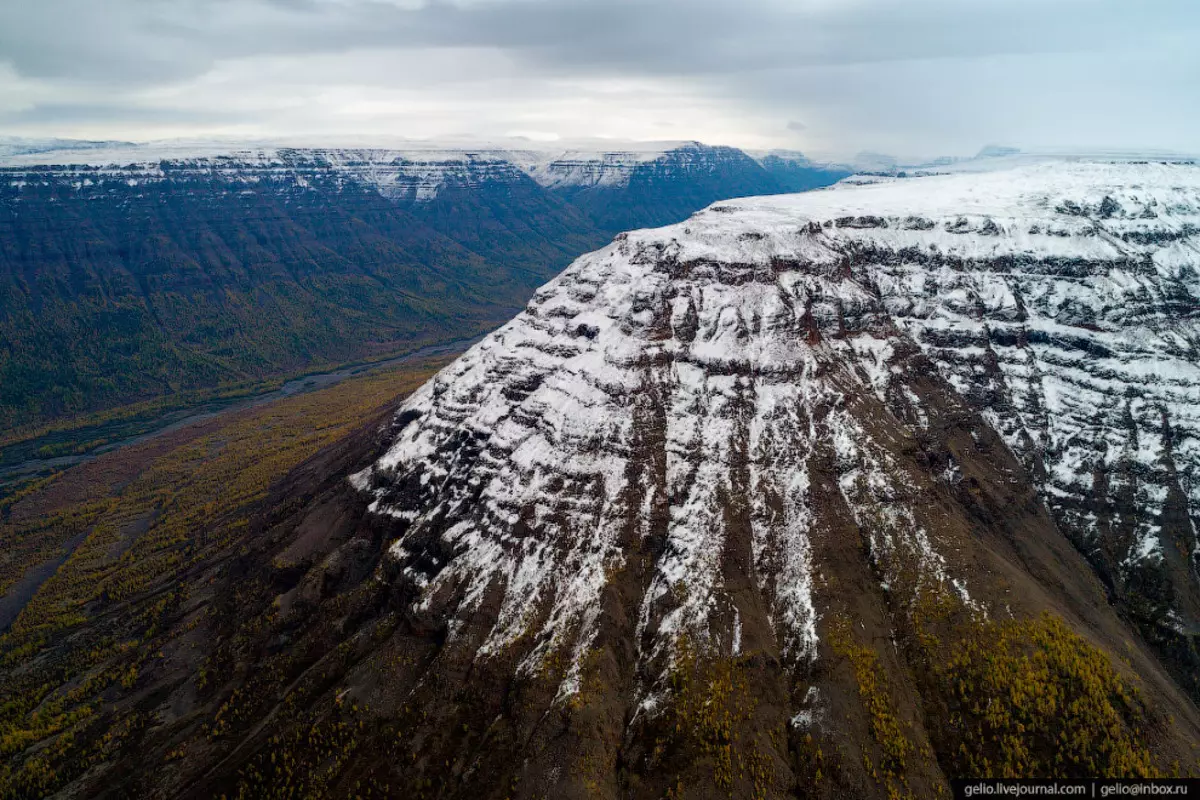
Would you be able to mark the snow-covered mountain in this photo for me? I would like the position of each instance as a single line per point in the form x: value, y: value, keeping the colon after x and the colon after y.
x: 402, y: 175
x: 416, y: 171
x: 731, y: 434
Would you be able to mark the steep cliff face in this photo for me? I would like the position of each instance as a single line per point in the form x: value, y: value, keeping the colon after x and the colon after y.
x: 659, y: 190
x: 731, y: 435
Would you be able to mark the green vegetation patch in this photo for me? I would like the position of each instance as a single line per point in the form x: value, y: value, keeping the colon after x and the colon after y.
x: 1033, y: 699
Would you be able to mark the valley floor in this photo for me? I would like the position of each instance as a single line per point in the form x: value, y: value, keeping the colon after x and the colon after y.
x: 29, y: 459
x: 98, y: 557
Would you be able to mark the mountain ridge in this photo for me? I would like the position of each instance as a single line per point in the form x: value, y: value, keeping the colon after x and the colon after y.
x: 417, y: 173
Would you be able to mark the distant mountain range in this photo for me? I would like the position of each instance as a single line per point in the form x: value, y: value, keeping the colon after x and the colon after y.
x: 131, y: 271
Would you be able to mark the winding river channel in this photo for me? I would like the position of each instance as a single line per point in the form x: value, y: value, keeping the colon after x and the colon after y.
x: 180, y: 418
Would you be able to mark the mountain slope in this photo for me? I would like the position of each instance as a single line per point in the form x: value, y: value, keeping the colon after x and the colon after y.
x: 503, y: 215
x: 723, y: 437
x: 669, y: 187
x: 795, y: 173
x: 1076, y: 331
x: 112, y: 292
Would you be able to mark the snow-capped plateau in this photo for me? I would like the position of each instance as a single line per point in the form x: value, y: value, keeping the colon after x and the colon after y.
x: 416, y: 171
x: 408, y: 174
x: 727, y: 405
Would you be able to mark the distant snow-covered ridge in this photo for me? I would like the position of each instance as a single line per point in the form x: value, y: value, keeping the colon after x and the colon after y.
x: 419, y: 171
x: 412, y: 172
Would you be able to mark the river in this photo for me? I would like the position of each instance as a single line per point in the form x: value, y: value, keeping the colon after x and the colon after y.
x: 180, y: 418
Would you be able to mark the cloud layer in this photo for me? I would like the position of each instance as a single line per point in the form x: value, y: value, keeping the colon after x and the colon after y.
x: 915, y: 77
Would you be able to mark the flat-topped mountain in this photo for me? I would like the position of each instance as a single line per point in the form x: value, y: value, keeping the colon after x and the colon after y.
x: 420, y: 171
x: 733, y: 438
x: 214, y: 262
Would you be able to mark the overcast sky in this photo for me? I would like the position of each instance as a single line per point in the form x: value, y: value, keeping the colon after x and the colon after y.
x: 910, y: 77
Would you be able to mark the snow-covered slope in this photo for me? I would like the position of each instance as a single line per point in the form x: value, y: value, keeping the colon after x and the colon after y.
x: 1062, y: 300
x: 720, y: 402
x: 415, y: 171
x: 417, y: 175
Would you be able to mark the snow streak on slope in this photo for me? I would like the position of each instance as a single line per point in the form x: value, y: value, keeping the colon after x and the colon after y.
x: 1062, y: 300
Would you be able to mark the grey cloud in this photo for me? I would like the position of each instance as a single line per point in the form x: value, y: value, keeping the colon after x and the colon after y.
x: 919, y: 71
x: 136, y: 40
x: 76, y: 113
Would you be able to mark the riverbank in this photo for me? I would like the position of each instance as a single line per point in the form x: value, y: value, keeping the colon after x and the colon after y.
x: 21, y: 465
